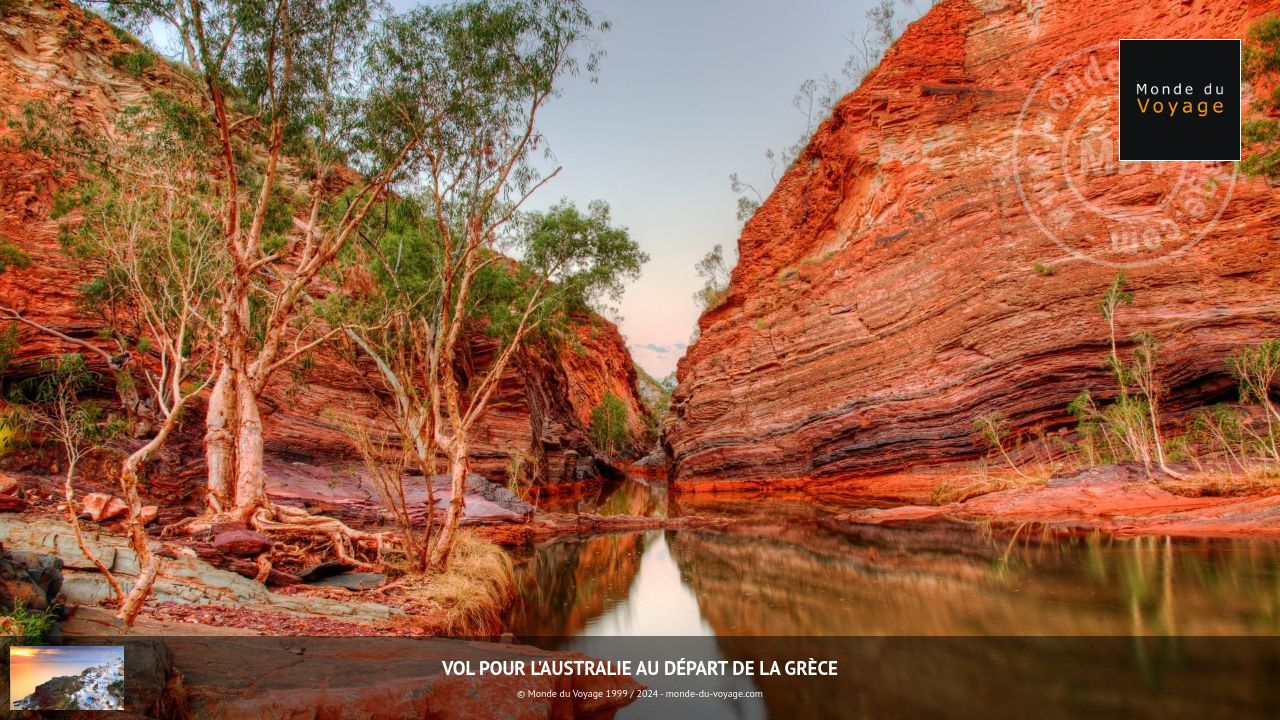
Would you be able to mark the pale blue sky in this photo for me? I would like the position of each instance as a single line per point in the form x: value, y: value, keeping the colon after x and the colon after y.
x: 688, y: 93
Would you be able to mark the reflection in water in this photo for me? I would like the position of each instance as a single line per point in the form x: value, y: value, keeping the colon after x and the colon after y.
x: 630, y: 496
x: 793, y: 577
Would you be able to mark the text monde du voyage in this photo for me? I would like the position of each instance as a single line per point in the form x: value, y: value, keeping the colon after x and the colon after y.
x: 1180, y: 99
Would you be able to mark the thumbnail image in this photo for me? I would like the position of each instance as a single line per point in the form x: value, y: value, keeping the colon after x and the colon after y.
x: 66, y: 678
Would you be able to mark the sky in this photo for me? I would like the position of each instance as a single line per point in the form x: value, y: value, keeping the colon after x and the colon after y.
x: 689, y: 91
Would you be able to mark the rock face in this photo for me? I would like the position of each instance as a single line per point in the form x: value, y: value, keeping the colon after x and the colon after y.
x: 30, y: 580
x: 53, y: 52
x: 924, y: 262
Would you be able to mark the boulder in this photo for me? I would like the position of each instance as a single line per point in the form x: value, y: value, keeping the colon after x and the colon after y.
x: 101, y: 507
x: 31, y: 580
x: 499, y: 495
x: 242, y: 543
x: 316, y: 573
x: 148, y: 514
x: 8, y: 485
x: 11, y: 503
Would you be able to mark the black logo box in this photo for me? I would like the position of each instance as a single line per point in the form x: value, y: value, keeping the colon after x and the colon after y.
x: 1185, y: 64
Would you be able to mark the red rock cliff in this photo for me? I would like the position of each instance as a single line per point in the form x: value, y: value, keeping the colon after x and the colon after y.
x: 924, y: 261
x: 53, y: 52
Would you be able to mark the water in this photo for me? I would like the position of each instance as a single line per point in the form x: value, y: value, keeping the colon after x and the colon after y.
x: 928, y: 616
x: 786, y: 575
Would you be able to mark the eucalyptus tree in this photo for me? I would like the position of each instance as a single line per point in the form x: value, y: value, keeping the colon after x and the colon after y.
x: 283, y: 84
x: 569, y: 260
x: 144, y: 227
x: 55, y: 402
x: 477, y: 76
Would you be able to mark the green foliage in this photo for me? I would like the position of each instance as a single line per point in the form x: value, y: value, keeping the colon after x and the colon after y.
x: 184, y: 122
x: 29, y: 625
x: 609, y: 424
x: 68, y: 374
x: 8, y: 346
x: 12, y: 256
x: 1221, y: 428
x: 993, y: 427
x: 1260, y: 130
x: 55, y: 399
x: 1115, y: 296
x: 1262, y: 57
x: 714, y: 272
x: 1262, y: 49
x: 1044, y: 269
x: 135, y: 63
x: 1257, y: 369
x: 583, y: 253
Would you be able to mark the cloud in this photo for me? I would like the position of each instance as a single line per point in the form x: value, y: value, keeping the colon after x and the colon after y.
x: 681, y: 346
x: 654, y: 347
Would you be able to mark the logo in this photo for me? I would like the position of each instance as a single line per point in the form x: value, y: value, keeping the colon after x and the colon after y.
x: 1180, y: 100
x: 1078, y: 192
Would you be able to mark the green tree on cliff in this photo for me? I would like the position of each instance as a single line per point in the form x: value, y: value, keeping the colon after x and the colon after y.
x: 568, y: 259
x: 1262, y: 134
x: 479, y: 75
x: 609, y: 423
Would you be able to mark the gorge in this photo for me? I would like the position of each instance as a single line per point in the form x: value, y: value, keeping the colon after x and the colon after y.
x: 980, y: 407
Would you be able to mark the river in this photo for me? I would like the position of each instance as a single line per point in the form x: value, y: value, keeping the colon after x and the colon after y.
x: 788, y: 575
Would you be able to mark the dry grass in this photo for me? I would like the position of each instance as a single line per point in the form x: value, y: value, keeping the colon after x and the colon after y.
x: 1259, y: 480
x: 984, y: 481
x: 470, y: 597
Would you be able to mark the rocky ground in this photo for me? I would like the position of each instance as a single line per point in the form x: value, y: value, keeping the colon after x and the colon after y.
x: 1121, y: 500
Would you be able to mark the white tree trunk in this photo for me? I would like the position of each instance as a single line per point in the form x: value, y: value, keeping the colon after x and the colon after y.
x: 220, y: 442
x: 251, y: 487
x: 459, y: 468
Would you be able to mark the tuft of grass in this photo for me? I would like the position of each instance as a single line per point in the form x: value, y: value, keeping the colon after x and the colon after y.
x: 1260, y: 480
x: 1044, y: 269
x: 983, y: 482
x: 12, y: 256
x: 762, y: 324
x: 472, y: 593
x: 135, y: 63
x: 30, y: 625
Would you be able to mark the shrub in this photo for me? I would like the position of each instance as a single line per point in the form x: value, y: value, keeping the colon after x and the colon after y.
x: 12, y: 256
x: 994, y: 429
x: 1043, y: 269
x: 21, y: 622
x: 133, y: 64
x: 609, y: 424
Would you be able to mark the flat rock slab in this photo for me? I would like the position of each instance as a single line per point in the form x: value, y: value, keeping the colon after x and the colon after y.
x: 183, y: 579
x: 354, y: 581
x: 486, y: 502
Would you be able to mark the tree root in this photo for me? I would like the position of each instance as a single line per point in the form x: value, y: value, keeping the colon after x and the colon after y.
x: 271, y: 518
